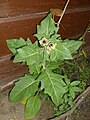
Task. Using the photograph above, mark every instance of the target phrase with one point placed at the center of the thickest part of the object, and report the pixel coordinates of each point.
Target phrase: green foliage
(68, 98)
(61, 52)
(14, 44)
(42, 60)
(52, 84)
(32, 107)
(24, 88)
(72, 45)
(47, 28)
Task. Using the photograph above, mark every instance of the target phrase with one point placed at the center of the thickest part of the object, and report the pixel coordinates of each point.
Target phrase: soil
(9, 111)
(83, 111)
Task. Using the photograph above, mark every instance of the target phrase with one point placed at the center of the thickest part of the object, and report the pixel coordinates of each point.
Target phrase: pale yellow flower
(51, 46)
(43, 42)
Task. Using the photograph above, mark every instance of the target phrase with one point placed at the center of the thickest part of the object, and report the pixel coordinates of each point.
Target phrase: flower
(43, 42)
(51, 46)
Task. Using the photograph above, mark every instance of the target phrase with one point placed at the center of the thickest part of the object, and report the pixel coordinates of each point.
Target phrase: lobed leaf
(34, 69)
(14, 44)
(60, 52)
(24, 88)
(72, 45)
(46, 28)
(29, 54)
(53, 85)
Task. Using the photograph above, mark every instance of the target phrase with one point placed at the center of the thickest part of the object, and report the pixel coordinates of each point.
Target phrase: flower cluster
(49, 46)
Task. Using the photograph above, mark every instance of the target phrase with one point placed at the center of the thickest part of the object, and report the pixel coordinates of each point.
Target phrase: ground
(9, 111)
(83, 111)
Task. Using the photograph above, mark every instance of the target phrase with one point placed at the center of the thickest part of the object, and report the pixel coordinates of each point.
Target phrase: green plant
(42, 58)
(67, 101)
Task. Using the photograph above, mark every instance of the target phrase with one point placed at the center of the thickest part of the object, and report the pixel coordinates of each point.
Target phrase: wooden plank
(10, 71)
(74, 24)
(16, 28)
(20, 7)
(79, 3)
(25, 26)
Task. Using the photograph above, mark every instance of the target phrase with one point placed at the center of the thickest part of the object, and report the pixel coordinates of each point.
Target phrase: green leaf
(66, 98)
(28, 42)
(32, 107)
(55, 36)
(72, 45)
(53, 85)
(53, 65)
(60, 52)
(74, 83)
(24, 88)
(29, 54)
(13, 44)
(36, 43)
(34, 68)
(77, 89)
(84, 53)
(70, 102)
(71, 92)
(46, 28)
(67, 80)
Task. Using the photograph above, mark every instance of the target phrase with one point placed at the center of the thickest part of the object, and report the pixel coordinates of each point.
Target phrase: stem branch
(44, 59)
(59, 21)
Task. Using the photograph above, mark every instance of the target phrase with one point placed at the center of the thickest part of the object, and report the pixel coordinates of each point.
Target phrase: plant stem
(44, 59)
(63, 12)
